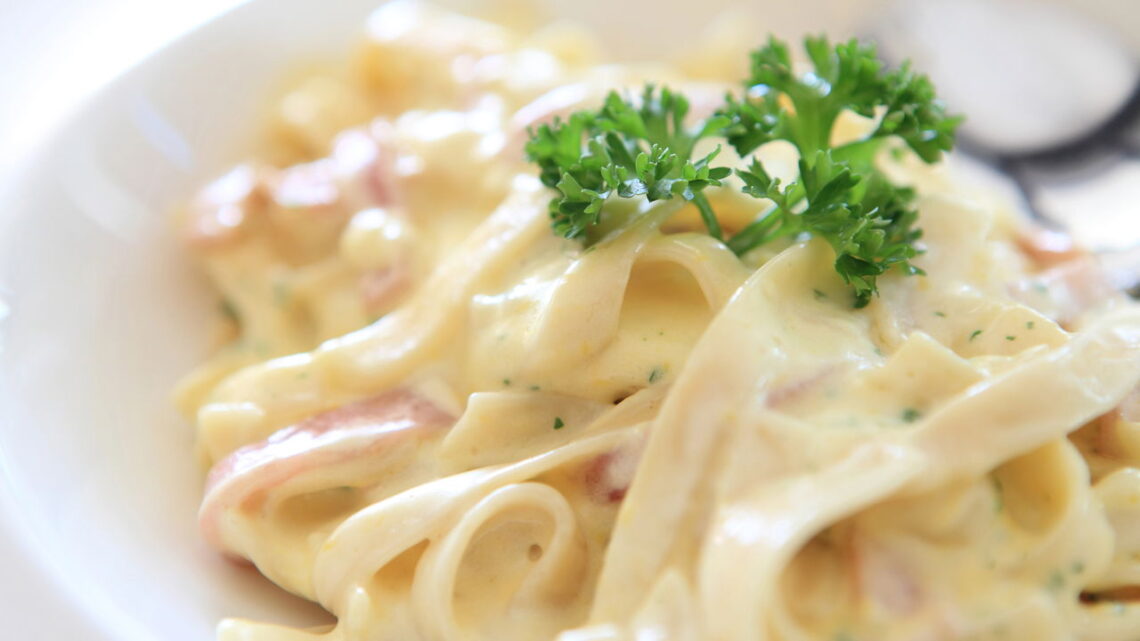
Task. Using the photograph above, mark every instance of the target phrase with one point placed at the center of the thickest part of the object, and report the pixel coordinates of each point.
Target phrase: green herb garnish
(228, 310)
(625, 150)
(630, 148)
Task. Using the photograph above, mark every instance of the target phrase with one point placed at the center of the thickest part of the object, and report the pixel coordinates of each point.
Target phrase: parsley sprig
(632, 148)
(627, 151)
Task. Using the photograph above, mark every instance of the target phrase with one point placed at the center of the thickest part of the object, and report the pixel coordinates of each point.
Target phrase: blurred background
(54, 52)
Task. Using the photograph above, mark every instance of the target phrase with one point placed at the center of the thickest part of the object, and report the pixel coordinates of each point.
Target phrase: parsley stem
(756, 232)
(859, 153)
(708, 216)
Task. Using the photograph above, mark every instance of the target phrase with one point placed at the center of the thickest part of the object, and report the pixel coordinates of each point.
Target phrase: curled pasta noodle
(442, 422)
(552, 580)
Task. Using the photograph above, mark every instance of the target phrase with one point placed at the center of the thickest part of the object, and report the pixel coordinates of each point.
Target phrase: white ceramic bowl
(98, 487)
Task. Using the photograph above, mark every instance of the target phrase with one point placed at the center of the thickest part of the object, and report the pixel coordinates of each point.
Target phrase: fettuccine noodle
(441, 422)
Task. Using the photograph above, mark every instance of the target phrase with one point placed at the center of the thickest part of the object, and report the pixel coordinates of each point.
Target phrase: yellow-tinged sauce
(442, 422)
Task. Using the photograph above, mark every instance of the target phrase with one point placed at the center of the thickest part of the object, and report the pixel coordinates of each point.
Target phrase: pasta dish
(735, 394)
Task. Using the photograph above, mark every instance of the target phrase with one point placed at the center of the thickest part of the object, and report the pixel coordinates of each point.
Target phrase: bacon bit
(607, 477)
(220, 213)
(343, 435)
(1047, 247)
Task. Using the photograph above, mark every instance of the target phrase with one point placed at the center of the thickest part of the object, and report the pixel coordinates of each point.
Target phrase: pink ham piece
(1071, 280)
(343, 436)
(1047, 247)
(607, 477)
(220, 212)
(1067, 290)
(357, 174)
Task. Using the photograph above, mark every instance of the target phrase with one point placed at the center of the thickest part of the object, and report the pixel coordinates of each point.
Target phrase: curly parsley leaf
(803, 109)
(840, 195)
(631, 149)
(625, 150)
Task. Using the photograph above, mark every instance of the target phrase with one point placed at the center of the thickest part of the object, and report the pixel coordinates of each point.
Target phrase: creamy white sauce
(440, 421)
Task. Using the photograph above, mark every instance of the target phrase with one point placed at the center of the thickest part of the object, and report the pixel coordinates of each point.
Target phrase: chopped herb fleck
(280, 293)
(975, 334)
(999, 494)
(534, 388)
(1028, 324)
(1010, 338)
(818, 294)
(506, 382)
(655, 374)
(940, 314)
(1056, 581)
(1078, 567)
(910, 415)
(558, 424)
(228, 310)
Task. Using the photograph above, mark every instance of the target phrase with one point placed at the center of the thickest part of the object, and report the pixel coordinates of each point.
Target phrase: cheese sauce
(440, 421)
